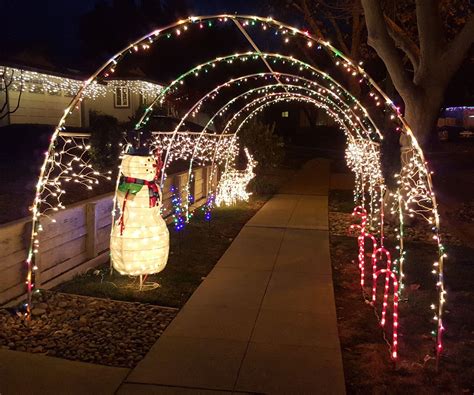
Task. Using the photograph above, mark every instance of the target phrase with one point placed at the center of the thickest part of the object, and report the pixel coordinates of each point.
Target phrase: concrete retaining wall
(77, 241)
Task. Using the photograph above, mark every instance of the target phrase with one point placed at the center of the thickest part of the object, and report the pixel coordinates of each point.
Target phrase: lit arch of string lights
(289, 84)
(268, 100)
(341, 116)
(309, 85)
(271, 98)
(340, 92)
(253, 55)
(262, 91)
(415, 194)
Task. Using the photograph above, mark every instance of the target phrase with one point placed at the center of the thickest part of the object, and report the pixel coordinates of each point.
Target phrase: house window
(285, 114)
(121, 97)
(143, 99)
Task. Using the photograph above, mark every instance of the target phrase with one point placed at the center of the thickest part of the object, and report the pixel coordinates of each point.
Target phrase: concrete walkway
(34, 374)
(264, 320)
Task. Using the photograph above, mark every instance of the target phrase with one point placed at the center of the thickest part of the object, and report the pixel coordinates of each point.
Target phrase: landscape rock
(86, 329)
(37, 311)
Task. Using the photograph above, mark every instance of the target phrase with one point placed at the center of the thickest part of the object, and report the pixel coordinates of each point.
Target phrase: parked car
(456, 123)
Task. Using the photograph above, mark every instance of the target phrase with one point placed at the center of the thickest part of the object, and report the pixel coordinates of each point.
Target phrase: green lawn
(193, 253)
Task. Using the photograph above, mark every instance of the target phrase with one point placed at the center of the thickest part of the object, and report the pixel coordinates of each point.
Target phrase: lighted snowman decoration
(139, 242)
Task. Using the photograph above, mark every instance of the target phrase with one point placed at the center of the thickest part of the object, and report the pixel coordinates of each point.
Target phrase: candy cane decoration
(362, 212)
(390, 274)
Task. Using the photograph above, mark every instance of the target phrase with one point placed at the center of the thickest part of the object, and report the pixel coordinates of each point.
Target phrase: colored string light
(415, 194)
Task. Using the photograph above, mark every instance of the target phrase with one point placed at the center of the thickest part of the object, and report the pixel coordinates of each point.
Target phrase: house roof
(133, 75)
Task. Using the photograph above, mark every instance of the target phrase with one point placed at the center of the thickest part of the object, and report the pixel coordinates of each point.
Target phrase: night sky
(55, 23)
(51, 28)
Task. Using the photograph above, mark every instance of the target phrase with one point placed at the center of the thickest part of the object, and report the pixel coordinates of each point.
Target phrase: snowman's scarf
(131, 185)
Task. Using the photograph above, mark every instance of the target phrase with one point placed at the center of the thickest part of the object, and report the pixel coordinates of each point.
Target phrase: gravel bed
(339, 224)
(465, 213)
(79, 328)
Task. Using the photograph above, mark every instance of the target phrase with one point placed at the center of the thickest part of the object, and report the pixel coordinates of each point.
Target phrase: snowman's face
(142, 167)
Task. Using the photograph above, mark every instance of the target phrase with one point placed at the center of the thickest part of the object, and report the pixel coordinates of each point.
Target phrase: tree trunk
(421, 113)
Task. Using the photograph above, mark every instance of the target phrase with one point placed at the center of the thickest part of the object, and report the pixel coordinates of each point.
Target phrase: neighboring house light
(137, 86)
(38, 82)
(38, 97)
(121, 97)
(285, 114)
(43, 82)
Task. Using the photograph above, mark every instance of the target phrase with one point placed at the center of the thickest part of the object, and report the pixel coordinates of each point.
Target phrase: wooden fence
(76, 241)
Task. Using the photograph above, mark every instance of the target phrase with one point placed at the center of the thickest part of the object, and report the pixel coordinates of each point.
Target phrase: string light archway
(66, 161)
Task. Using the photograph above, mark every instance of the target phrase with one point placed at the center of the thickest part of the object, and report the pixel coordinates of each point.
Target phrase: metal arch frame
(258, 90)
(261, 89)
(315, 71)
(292, 96)
(417, 151)
(195, 106)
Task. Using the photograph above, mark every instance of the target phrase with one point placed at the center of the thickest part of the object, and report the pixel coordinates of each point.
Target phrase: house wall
(105, 105)
(4, 120)
(202, 119)
(41, 108)
(77, 241)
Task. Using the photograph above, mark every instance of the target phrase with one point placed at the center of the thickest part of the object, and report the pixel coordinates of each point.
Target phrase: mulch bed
(86, 329)
(368, 368)
(339, 223)
(465, 213)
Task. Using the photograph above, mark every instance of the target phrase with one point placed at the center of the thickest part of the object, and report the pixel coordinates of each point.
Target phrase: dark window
(121, 97)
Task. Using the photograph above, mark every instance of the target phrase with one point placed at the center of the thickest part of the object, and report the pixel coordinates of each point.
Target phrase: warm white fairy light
(185, 146)
(363, 159)
(417, 199)
(69, 164)
(42, 82)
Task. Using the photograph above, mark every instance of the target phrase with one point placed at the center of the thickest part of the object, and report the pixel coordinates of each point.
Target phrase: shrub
(106, 136)
(266, 147)
(262, 186)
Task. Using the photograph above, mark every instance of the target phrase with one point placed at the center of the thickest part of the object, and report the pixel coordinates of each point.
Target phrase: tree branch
(404, 42)
(458, 48)
(338, 32)
(297, 6)
(9, 111)
(430, 28)
(357, 26)
(380, 40)
(16, 108)
(310, 20)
